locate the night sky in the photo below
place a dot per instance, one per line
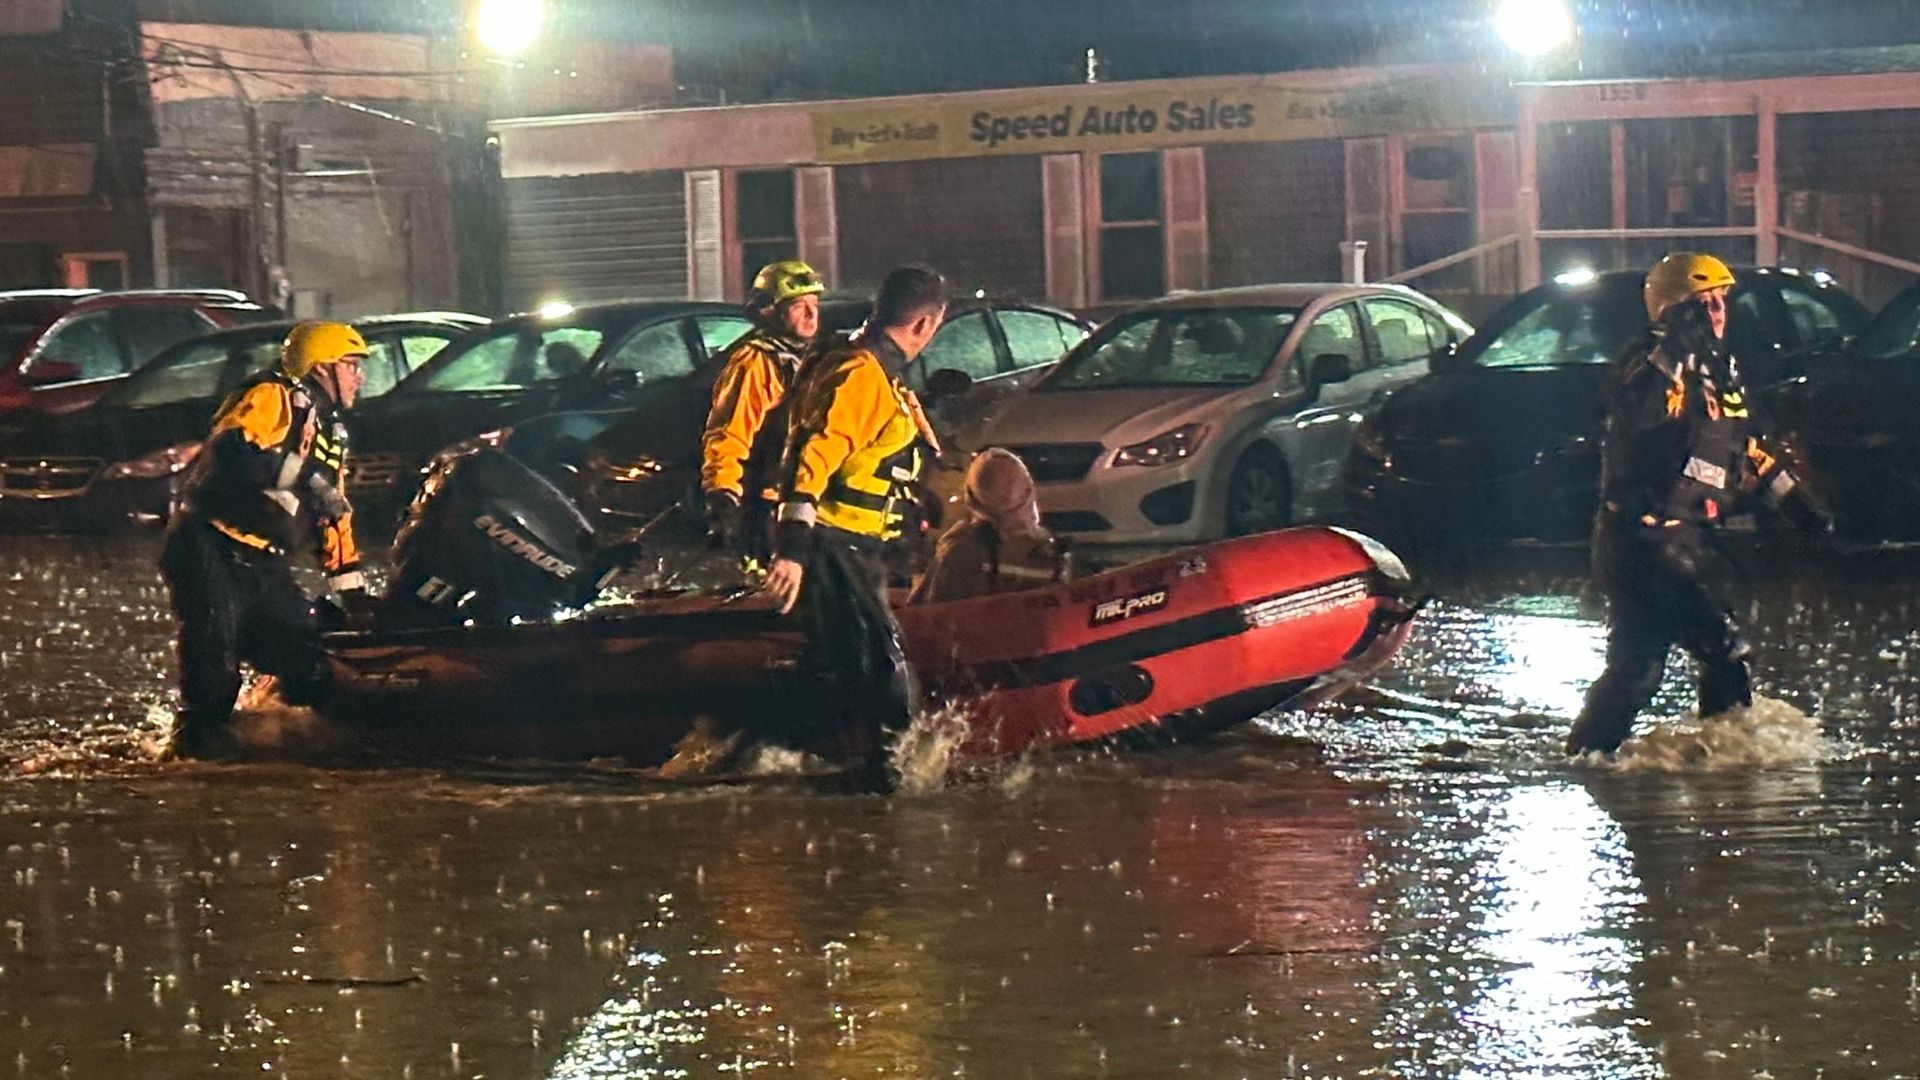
(777, 49)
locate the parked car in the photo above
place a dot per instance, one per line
(60, 349)
(1222, 412)
(986, 349)
(123, 458)
(649, 451)
(606, 357)
(1502, 440)
(1857, 422)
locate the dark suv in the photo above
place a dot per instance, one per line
(60, 349)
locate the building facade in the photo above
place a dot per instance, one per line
(1460, 183)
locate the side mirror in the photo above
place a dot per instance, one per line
(46, 372)
(1445, 359)
(1329, 368)
(947, 382)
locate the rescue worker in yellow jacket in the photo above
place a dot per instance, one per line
(854, 448)
(747, 421)
(267, 483)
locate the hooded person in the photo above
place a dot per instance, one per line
(998, 545)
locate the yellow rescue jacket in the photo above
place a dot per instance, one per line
(746, 423)
(853, 444)
(270, 476)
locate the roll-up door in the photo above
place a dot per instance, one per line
(1275, 211)
(610, 236)
(979, 221)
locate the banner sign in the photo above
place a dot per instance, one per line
(1114, 117)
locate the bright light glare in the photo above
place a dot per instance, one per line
(554, 309)
(1579, 275)
(1533, 27)
(507, 27)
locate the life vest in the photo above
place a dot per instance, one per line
(854, 447)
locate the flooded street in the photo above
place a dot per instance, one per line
(1412, 882)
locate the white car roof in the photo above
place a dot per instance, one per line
(1292, 295)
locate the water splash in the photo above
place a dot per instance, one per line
(99, 748)
(926, 755)
(264, 724)
(1769, 734)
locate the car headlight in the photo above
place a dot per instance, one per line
(486, 440)
(1165, 448)
(161, 463)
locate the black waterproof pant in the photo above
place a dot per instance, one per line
(234, 604)
(854, 648)
(1663, 587)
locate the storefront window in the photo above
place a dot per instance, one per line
(765, 219)
(1132, 237)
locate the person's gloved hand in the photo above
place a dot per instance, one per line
(723, 520)
(1689, 330)
(359, 609)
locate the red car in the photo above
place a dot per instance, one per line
(60, 349)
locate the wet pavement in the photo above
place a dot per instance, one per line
(1408, 883)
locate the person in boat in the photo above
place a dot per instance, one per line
(746, 422)
(854, 448)
(999, 544)
(267, 484)
(1683, 449)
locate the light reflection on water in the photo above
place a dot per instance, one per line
(1425, 890)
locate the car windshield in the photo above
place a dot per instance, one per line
(513, 358)
(1192, 347)
(1896, 332)
(1561, 325)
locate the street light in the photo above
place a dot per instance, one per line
(507, 27)
(1533, 27)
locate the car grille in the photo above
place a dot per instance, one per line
(47, 478)
(377, 470)
(1053, 463)
(1075, 521)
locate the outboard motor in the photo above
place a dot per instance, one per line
(489, 540)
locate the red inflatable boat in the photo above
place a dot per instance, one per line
(1173, 646)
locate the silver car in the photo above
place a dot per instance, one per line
(1216, 413)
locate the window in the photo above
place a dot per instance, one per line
(149, 330)
(1035, 337)
(963, 344)
(1205, 347)
(381, 367)
(657, 352)
(1818, 325)
(418, 348)
(511, 360)
(83, 348)
(1132, 241)
(1896, 332)
(1334, 333)
(1584, 325)
(719, 331)
(1399, 330)
(764, 203)
(182, 376)
(1439, 332)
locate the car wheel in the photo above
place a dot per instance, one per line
(1259, 494)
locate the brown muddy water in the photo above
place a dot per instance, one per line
(1411, 883)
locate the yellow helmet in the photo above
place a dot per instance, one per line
(1679, 276)
(311, 344)
(779, 282)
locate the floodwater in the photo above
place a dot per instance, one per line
(1410, 883)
